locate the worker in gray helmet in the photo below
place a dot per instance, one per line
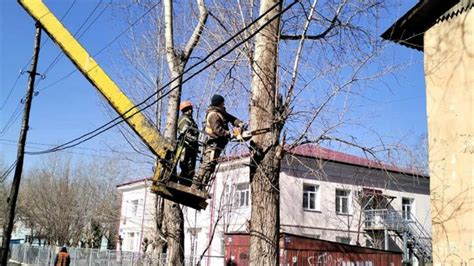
(187, 133)
(217, 128)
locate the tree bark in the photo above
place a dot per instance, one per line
(266, 152)
(173, 221)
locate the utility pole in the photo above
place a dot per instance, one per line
(11, 201)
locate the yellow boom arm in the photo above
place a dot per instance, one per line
(97, 76)
(163, 148)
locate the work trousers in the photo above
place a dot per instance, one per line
(187, 164)
(209, 163)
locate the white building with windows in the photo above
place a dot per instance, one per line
(323, 194)
(136, 215)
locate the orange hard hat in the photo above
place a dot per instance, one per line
(185, 104)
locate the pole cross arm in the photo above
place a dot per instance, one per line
(97, 76)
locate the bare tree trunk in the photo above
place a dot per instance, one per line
(266, 155)
(173, 221)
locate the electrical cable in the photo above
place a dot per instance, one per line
(61, 53)
(122, 117)
(11, 120)
(193, 66)
(100, 129)
(46, 40)
(8, 171)
(21, 72)
(11, 141)
(11, 90)
(110, 156)
(102, 49)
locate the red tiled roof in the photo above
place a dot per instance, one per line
(317, 152)
(314, 151)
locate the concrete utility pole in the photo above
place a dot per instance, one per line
(10, 214)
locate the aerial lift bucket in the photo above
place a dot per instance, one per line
(165, 184)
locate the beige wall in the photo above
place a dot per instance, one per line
(449, 73)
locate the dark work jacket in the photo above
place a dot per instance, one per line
(217, 125)
(188, 129)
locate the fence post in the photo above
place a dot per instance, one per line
(74, 259)
(24, 255)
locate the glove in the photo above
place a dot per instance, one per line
(243, 126)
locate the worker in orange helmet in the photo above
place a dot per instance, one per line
(188, 133)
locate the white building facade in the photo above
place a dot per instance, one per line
(323, 194)
(136, 214)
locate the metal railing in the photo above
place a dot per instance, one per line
(393, 220)
(45, 255)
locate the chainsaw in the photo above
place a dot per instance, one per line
(242, 134)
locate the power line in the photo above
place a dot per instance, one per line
(11, 121)
(46, 40)
(11, 90)
(61, 53)
(110, 156)
(103, 48)
(122, 117)
(8, 171)
(107, 126)
(21, 72)
(95, 19)
(13, 142)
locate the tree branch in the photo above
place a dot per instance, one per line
(194, 39)
(334, 22)
(169, 36)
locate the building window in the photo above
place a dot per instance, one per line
(130, 241)
(310, 197)
(228, 195)
(242, 195)
(314, 236)
(134, 207)
(342, 201)
(344, 240)
(407, 208)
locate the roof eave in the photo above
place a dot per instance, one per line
(410, 28)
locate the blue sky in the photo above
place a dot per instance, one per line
(396, 108)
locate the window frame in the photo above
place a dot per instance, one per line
(241, 191)
(343, 240)
(408, 215)
(237, 195)
(339, 203)
(134, 204)
(316, 192)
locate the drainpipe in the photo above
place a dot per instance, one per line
(385, 232)
(143, 220)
